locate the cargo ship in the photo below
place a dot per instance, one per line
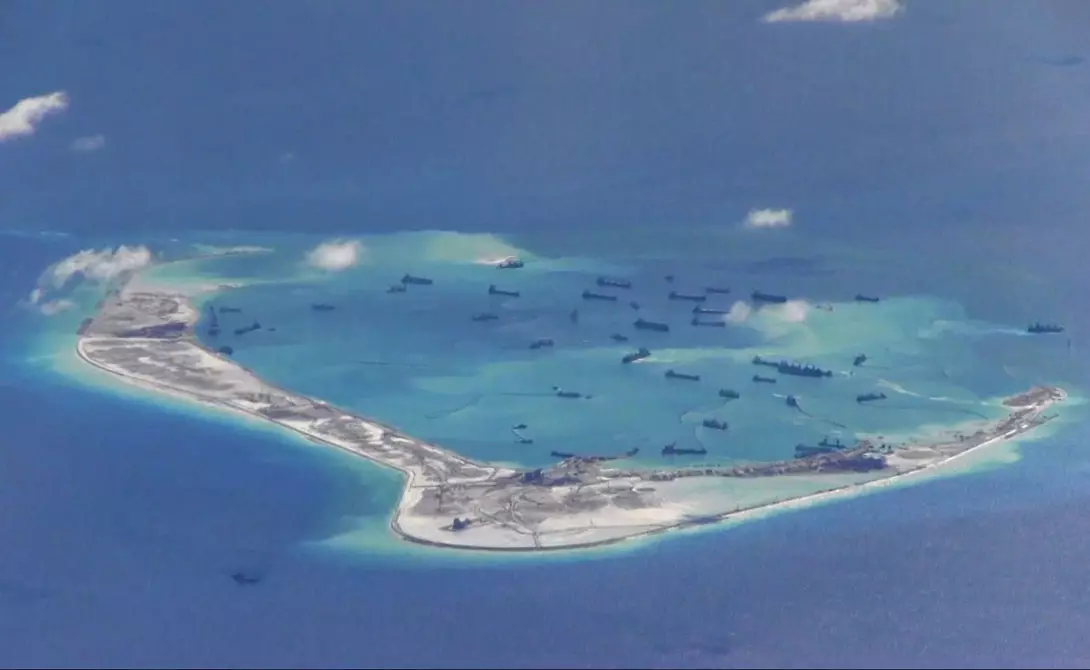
(1044, 328)
(859, 360)
(510, 263)
(672, 374)
(615, 283)
(322, 307)
(542, 343)
(484, 316)
(710, 324)
(757, 360)
(673, 450)
(715, 424)
(644, 324)
(639, 355)
(591, 295)
(729, 394)
(760, 296)
(617, 337)
(248, 329)
(710, 310)
(716, 289)
(416, 281)
(799, 370)
(763, 380)
(870, 397)
(859, 297)
(492, 290)
(691, 297)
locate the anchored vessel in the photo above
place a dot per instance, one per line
(715, 424)
(673, 450)
(542, 343)
(870, 397)
(763, 380)
(322, 307)
(492, 290)
(416, 281)
(729, 394)
(484, 316)
(615, 283)
(717, 289)
(1044, 328)
(859, 297)
(708, 324)
(760, 296)
(671, 374)
(591, 295)
(691, 297)
(709, 310)
(617, 337)
(644, 324)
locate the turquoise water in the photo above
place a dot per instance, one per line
(416, 359)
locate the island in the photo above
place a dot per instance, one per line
(145, 336)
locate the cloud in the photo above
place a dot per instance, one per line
(335, 255)
(792, 311)
(768, 218)
(845, 11)
(738, 313)
(89, 143)
(56, 306)
(97, 265)
(24, 117)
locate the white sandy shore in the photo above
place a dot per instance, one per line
(581, 506)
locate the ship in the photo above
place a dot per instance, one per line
(859, 360)
(484, 316)
(213, 326)
(729, 394)
(492, 290)
(711, 324)
(672, 374)
(804, 450)
(591, 295)
(710, 310)
(870, 397)
(763, 380)
(573, 316)
(691, 297)
(669, 278)
(226, 350)
(511, 263)
(792, 401)
(617, 337)
(673, 450)
(245, 579)
(715, 424)
(634, 305)
(248, 329)
(644, 324)
(757, 360)
(322, 307)
(716, 289)
(396, 288)
(760, 296)
(416, 281)
(639, 355)
(230, 310)
(561, 393)
(826, 443)
(1044, 328)
(799, 370)
(542, 343)
(615, 283)
(859, 297)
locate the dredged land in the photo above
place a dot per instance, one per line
(146, 337)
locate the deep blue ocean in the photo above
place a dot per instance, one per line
(936, 159)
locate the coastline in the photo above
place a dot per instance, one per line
(438, 485)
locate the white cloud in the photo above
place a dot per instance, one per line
(847, 11)
(335, 255)
(89, 143)
(738, 313)
(56, 306)
(792, 311)
(98, 266)
(768, 218)
(24, 117)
